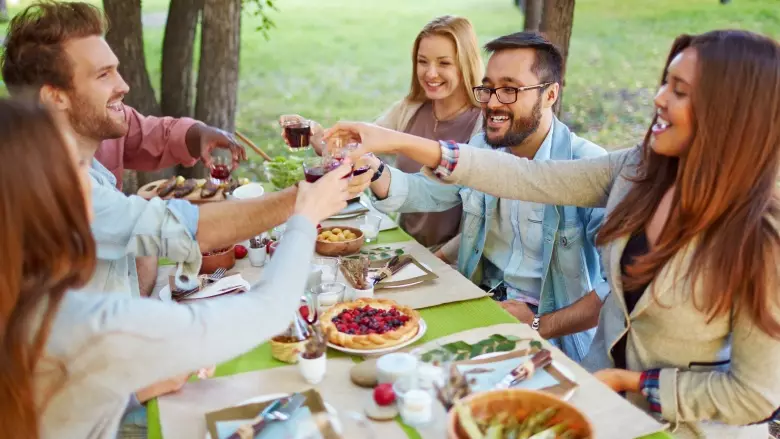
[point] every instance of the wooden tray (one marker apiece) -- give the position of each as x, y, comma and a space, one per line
149, 191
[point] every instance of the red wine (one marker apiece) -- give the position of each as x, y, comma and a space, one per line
220, 172
360, 171
297, 135
313, 174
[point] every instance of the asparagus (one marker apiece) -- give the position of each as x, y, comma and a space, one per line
467, 421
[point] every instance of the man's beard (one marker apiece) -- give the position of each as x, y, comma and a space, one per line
88, 122
520, 130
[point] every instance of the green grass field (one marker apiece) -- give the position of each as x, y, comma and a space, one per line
350, 59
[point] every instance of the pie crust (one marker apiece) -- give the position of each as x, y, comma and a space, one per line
370, 341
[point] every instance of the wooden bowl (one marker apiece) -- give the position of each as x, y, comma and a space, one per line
225, 259
523, 403
287, 351
343, 248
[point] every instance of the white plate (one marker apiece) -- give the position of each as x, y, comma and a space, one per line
420, 332
565, 371
258, 399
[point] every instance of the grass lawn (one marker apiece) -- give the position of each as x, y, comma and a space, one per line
350, 59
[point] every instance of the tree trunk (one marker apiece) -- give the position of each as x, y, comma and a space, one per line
218, 70
125, 36
533, 15
556, 25
177, 86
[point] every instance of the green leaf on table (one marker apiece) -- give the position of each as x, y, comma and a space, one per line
399, 251
461, 350
536, 344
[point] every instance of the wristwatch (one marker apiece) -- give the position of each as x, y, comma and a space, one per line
535, 322
378, 172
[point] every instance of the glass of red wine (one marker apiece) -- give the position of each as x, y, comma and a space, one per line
298, 133
221, 168
313, 168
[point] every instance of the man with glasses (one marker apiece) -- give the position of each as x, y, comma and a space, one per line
539, 260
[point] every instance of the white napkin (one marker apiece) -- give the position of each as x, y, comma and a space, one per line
234, 282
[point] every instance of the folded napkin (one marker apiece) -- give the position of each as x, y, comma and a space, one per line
306, 422
228, 284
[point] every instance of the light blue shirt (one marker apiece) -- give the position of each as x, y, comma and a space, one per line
514, 243
126, 227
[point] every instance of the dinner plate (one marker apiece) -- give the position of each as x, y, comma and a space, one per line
270, 397
370, 352
565, 371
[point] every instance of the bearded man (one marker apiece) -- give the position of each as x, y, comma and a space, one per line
539, 260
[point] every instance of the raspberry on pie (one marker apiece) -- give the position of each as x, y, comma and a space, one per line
370, 324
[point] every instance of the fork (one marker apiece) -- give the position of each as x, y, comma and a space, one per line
218, 274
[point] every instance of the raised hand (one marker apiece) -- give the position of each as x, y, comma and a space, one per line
326, 197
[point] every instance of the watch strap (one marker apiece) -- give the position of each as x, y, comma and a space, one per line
535, 323
378, 172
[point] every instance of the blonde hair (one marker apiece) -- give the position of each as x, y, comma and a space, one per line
467, 53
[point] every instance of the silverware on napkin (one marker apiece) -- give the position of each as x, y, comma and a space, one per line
526, 370
280, 410
393, 266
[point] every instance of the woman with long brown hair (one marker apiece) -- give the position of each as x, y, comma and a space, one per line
69, 361
691, 240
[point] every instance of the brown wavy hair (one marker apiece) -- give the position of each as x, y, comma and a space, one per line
46, 248
34, 53
725, 196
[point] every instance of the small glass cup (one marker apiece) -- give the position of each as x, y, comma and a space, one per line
313, 168
328, 294
328, 266
370, 227
220, 168
298, 133
415, 403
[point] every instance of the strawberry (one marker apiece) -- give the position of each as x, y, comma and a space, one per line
241, 252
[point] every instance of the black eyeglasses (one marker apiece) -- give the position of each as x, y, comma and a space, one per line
505, 95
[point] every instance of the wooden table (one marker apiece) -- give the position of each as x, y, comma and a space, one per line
442, 320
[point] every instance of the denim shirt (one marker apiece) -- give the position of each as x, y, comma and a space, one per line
513, 247
125, 227
570, 260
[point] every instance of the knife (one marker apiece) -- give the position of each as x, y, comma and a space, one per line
393, 269
526, 370
280, 410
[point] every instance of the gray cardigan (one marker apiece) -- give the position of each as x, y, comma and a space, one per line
712, 374
103, 347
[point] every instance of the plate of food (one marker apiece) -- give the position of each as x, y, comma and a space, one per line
371, 326
191, 189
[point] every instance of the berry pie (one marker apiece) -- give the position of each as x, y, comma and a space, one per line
370, 324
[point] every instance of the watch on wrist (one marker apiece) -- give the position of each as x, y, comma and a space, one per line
535, 322
378, 172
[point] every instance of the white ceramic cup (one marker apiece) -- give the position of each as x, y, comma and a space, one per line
313, 370
257, 256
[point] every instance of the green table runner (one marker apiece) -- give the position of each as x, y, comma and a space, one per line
442, 320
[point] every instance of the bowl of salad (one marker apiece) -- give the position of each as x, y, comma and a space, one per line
284, 172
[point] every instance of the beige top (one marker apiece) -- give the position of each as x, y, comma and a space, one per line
716, 376
430, 228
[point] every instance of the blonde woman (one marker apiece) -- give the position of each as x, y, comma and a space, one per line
446, 64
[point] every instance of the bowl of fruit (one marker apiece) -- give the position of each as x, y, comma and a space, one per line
221, 258
516, 413
339, 241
